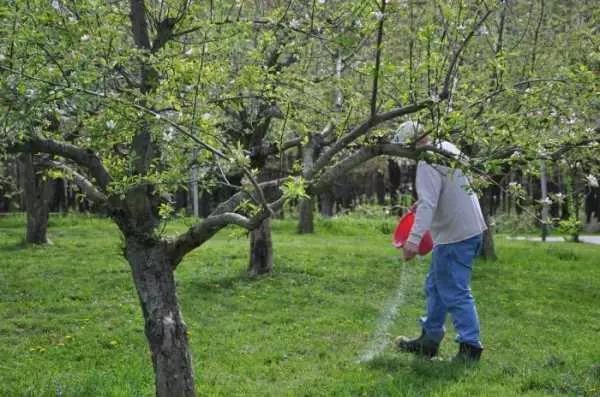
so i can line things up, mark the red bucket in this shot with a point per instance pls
(403, 231)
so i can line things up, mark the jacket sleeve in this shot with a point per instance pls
(429, 187)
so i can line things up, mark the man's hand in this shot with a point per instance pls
(410, 250)
(413, 208)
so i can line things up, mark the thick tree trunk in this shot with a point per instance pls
(37, 197)
(261, 250)
(306, 221)
(165, 330)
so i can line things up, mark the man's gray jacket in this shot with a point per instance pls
(446, 206)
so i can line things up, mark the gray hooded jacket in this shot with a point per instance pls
(446, 206)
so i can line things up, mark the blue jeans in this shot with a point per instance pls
(447, 289)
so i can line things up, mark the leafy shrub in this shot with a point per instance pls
(571, 227)
(514, 224)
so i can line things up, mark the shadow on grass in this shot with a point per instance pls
(418, 373)
(215, 285)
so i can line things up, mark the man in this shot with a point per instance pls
(451, 212)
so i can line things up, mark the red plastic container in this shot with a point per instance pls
(403, 231)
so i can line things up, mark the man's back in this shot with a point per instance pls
(447, 207)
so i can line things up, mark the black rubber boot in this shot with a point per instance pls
(468, 353)
(422, 346)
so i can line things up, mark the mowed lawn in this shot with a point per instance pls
(70, 323)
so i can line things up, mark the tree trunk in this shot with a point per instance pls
(577, 188)
(261, 250)
(37, 197)
(488, 251)
(305, 223)
(164, 327)
(380, 187)
(326, 204)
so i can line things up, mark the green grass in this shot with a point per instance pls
(70, 324)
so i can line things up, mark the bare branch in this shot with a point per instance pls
(584, 143)
(377, 59)
(234, 201)
(516, 85)
(290, 144)
(86, 158)
(536, 37)
(456, 55)
(84, 184)
(201, 232)
(342, 167)
(364, 128)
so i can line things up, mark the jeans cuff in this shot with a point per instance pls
(434, 334)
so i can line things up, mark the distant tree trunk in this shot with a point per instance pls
(261, 250)
(380, 187)
(6, 187)
(37, 197)
(544, 188)
(577, 190)
(306, 221)
(488, 251)
(163, 323)
(58, 199)
(395, 177)
(326, 200)
(413, 183)
(204, 204)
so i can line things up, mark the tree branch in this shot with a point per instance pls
(201, 232)
(84, 184)
(86, 158)
(144, 109)
(234, 201)
(377, 60)
(364, 128)
(516, 85)
(342, 167)
(456, 55)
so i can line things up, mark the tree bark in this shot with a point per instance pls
(380, 187)
(165, 330)
(37, 197)
(488, 251)
(306, 221)
(326, 201)
(261, 250)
